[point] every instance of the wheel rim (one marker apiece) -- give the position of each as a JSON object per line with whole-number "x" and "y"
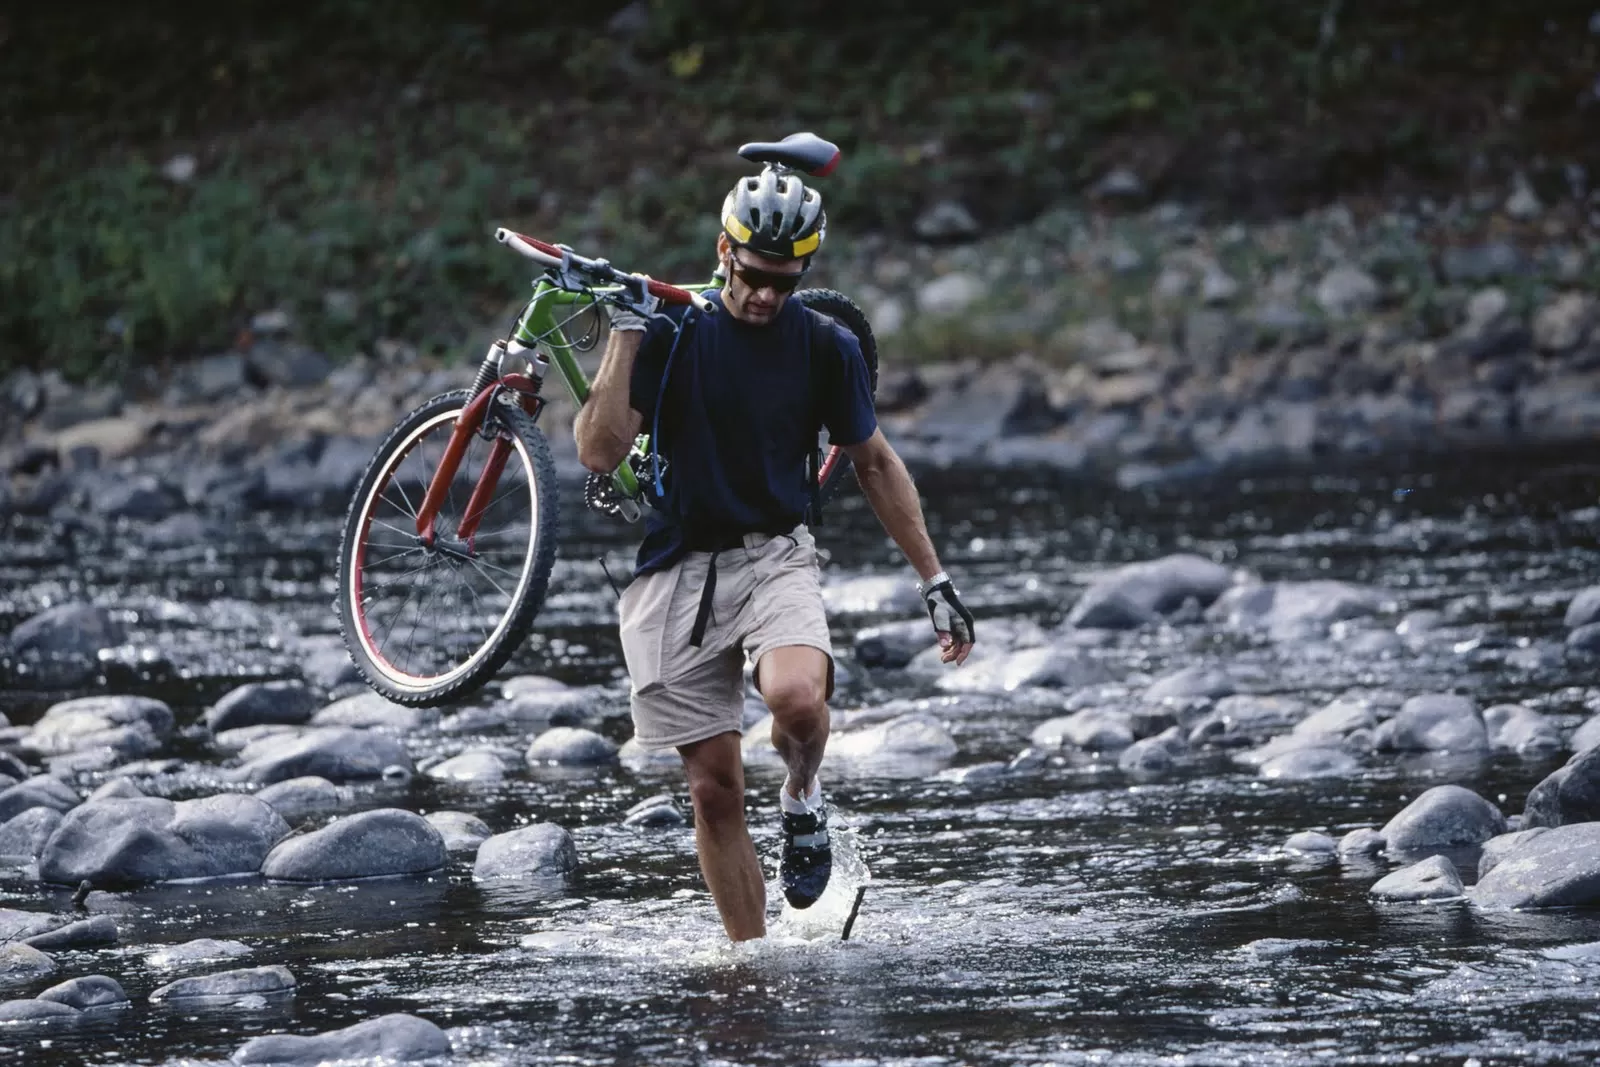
{"x": 426, "y": 615}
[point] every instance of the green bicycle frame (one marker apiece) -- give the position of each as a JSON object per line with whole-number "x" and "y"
{"x": 540, "y": 328}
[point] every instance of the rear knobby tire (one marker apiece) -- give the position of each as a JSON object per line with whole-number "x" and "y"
{"x": 846, "y": 313}
{"x": 426, "y": 626}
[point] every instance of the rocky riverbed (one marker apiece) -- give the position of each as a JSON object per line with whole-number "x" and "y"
{"x": 1278, "y": 770}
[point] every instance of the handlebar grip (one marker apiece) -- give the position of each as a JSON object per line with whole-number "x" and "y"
{"x": 671, "y": 294}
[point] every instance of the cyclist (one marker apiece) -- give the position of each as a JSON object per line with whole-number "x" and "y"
{"x": 734, "y": 400}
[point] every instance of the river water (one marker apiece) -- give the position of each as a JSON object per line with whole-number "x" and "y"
{"x": 1063, "y": 916}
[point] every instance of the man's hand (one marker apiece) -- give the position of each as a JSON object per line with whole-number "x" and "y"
{"x": 630, "y": 310}
{"x": 951, "y": 619}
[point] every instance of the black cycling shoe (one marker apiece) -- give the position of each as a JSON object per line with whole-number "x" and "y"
{"x": 807, "y": 858}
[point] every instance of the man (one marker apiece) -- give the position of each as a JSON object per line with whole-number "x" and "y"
{"x": 734, "y": 400}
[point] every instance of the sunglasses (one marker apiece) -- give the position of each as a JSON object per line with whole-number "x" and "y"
{"x": 777, "y": 281}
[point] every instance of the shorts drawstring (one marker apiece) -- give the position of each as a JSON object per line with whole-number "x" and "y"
{"x": 703, "y": 615}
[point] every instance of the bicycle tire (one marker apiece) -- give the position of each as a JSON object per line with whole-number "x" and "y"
{"x": 848, "y": 314}
{"x": 513, "y": 622}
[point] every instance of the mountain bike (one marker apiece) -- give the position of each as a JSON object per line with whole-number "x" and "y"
{"x": 451, "y": 535}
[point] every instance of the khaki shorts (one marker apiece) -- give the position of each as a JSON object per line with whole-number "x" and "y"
{"x": 768, "y": 595}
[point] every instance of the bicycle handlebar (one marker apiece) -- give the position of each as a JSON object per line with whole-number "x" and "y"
{"x": 551, "y": 256}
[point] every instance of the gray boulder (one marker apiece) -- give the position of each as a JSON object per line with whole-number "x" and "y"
{"x": 86, "y": 933}
{"x": 386, "y": 1039}
{"x": 1153, "y": 756}
{"x": 1307, "y": 763}
{"x": 63, "y": 642}
{"x": 1363, "y": 842}
{"x": 296, "y": 798}
{"x": 473, "y": 765}
{"x": 1498, "y": 848}
{"x": 1569, "y": 794}
{"x": 1337, "y": 719}
{"x": 1446, "y": 816}
{"x": 23, "y": 1012}
{"x": 41, "y": 791}
{"x": 1583, "y": 609}
{"x": 870, "y": 595}
{"x": 369, "y": 711}
{"x": 1557, "y": 869}
{"x": 21, "y": 964}
{"x": 543, "y": 850}
{"x": 115, "y": 789}
{"x": 1187, "y": 684}
{"x": 326, "y": 663}
{"x": 1293, "y": 611}
{"x": 1140, "y": 593}
{"x": 227, "y": 985}
{"x": 1585, "y": 638}
{"x": 22, "y": 836}
{"x": 1514, "y": 728}
{"x": 1435, "y": 878}
{"x": 336, "y": 753}
{"x": 1436, "y": 722}
{"x": 17, "y": 924}
{"x": 1243, "y": 718}
{"x": 910, "y": 744}
{"x": 460, "y": 831}
{"x": 570, "y": 745}
{"x": 86, "y": 993}
{"x": 1312, "y": 843}
{"x": 536, "y": 701}
{"x": 1004, "y": 672}
{"x": 370, "y": 844}
{"x": 241, "y": 738}
{"x": 893, "y": 644}
{"x": 1586, "y": 736}
{"x": 1092, "y": 729}
{"x": 200, "y": 950}
{"x": 128, "y": 842}
{"x": 262, "y": 703}
{"x": 655, "y": 813}
{"x": 132, "y": 726}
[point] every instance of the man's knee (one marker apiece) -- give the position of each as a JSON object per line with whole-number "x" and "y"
{"x": 717, "y": 795}
{"x": 795, "y": 700}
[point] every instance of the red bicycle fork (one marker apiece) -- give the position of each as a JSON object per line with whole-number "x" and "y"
{"x": 461, "y": 434}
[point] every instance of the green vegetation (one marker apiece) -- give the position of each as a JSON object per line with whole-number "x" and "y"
{"x": 352, "y": 157}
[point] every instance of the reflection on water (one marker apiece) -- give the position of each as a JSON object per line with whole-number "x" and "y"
{"x": 1060, "y": 916}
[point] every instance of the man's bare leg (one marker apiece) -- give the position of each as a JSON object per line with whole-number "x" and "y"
{"x": 727, "y": 855}
{"x": 794, "y": 683}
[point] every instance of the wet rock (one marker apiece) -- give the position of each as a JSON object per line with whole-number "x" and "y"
{"x": 336, "y": 753}
{"x": 533, "y": 701}
{"x": 227, "y": 985}
{"x": 19, "y": 925}
{"x": 1496, "y": 849}
{"x": 1190, "y": 683}
{"x": 1309, "y": 763}
{"x": 655, "y": 813}
{"x": 116, "y": 789}
{"x": 1479, "y": 263}
{"x": 1562, "y": 324}
{"x": 64, "y": 642}
{"x": 87, "y": 933}
{"x": 910, "y": 743}
{"x": 1435, "y": 878}
{"x": 24, "y": 834}
{"x": 1346, "y": 290}
{"x": 87, "y": 993}
{"x": 1276, "y": 948}
{"x": 1514, "y": 728}
{"x": 1153, "y": 756}
{"x": 637, "y": 758}
{"x": 1363, "y": 842}
{"x": 1004, "y": 672}
{"x": 133, "y": 726}
{"x": 369, "y": 711}
{"x": 145, "y": 498}
{"x": 570, "y": 745}
{"x": 387, "y": 1039}
{"x": 950, "y": 294}
{"x": 20, "y": 1012}
{"x": 1311, "y": 842}
{"x": 200, "y": 950}
{"x": 1137, "y": 594}
{"x": 326, "y": 663}
{"x": 296, "y": 798}
{"x": 543, "y": 850}
{"x": 124, "y": 842}
{"x": 1586, "y": 736}
{"x": 239, "y": 739}
{"x": 1437, "y": 722}
{"x": 262, "y": 703}
{"x": 1569, "y": 794}
{"x": 1583, "y": 609}
{"x": 1243, "y": 718}
{"x": 21, "y": 964}
{"x": 1092, "y": 729}
{"x": 461, "y": 832}
{"x": 474, "y": 765}
{"x": 894, "y": 644}
{"x": 1291, "y": 611}
{"x": 370, "y": 844}
{"x": 1585, "y": 638}
{"x": 1446, "y": 816}
{"x": 1556, "y": 869}
{"x": 871, "y": 595}
{"x": 40, "y": 791}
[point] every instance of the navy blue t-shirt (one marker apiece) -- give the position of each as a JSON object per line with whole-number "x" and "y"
{"x": 738, "y": 419}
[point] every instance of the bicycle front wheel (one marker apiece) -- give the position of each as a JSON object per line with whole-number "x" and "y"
{"x": 428, "y": 620}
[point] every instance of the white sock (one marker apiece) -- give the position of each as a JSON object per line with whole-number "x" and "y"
{"x": 811, "y": 802}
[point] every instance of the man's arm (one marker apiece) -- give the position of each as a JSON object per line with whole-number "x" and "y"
{"x": 607, "y": 424}
{"x": 894, "y": 500}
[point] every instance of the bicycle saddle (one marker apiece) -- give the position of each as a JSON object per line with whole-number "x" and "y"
{"x": 800, "y": 151}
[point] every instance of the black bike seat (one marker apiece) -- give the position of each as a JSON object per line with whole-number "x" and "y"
{"x": 802, "y": 151}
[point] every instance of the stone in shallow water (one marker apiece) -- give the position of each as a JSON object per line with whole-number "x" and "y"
{"x": 1446, "y": 816}
{"x": 87, "y": 933}
{"x": 570, "y": 745}
{"x": 894, "y": 644}
{"x": 1555, "y": 869}
{"x": 461, "y": 831}
{"x": 1586, "y": 736}
{"x": 296, "y": 798}
{"x": 871, "y": 594}
{"x": 542, "y": 850}
{"x": 125, "y": 842}
{"x": 1362, "y": 842}
{"x": 1435, "y": 878}
{"x": 1514, "y": 728}
{"x": 21, "y": 964}
{"x": 337, "y": 753}
{"x": 91, "y": 991}
{"x": 474, "y": 765}
{"x": 658, "y": 812}
{"x": 1276, "y": 948}
{"x": 1436, "y": 722}
{"x": 1498, "y": 848}
{"x": 1051, "y": 667}
{"x": 913, "y": 743}
{"x": 636, "y": 757}
{"x": 40, "y": 791}
{"x": 1189, "y": 682}
{"x": 133, "y": 726}
{"x": 388, "y": 1039}
{"x": 370, "y": 844}
{"x": 1154, "y": 756}
{"x": 1139, "y": 593}
{"x": 285, "y": 702}
{"x": 1311, "y": 763}
{"x": 241, "y": 738}
{"x": 227, "y": 985}
{"x": 23, "y": 835}
{"x": 203, "y": 949}
{"x": 65, "y": 641}
{"x": 116, "y": 789}
{"x": 369, "y": 711}
{"x": 1093, "y": 729}
{"x": 14, "y": 1012}
{"x": 1568, "y": 794}
{"x": 1311, "y": 841}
